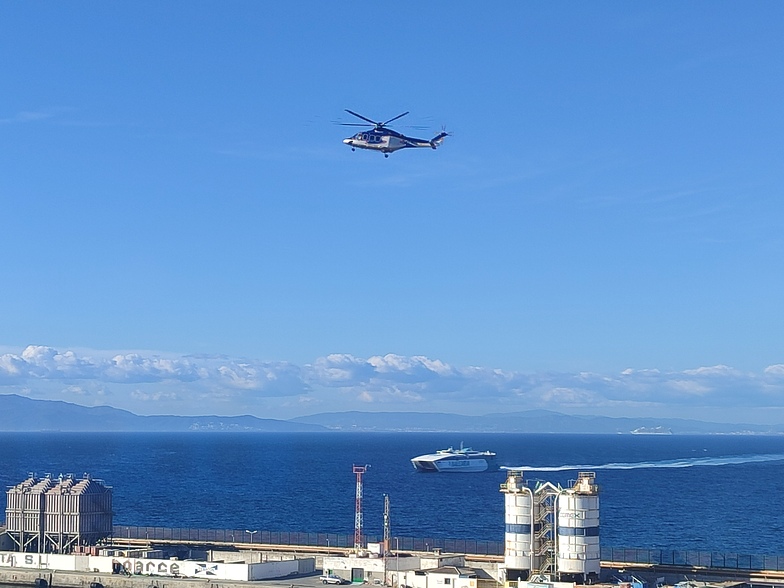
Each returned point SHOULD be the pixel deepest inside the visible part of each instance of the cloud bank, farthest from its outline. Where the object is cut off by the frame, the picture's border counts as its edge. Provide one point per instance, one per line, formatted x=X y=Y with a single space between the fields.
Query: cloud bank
x=151 y=383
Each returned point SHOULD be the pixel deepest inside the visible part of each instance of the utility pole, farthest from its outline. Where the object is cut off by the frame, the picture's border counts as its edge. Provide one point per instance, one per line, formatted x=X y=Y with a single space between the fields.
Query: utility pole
x=386 y=535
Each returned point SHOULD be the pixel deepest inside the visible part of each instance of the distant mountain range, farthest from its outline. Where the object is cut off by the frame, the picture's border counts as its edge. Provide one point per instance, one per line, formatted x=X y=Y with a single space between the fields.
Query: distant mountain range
x=18 y=413
x=529 y=421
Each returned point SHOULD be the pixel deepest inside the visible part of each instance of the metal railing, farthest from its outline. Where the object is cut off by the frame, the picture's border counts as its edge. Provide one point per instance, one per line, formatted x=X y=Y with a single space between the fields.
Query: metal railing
x=704 y=559
x=712 y=560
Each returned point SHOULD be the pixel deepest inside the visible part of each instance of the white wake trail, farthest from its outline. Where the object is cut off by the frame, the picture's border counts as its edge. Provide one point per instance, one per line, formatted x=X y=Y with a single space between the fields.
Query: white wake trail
x=667 y=463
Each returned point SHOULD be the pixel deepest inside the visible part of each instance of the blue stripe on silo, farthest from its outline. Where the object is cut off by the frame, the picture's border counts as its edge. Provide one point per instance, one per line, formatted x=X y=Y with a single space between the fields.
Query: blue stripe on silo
x=579 y=531
x=518 y=529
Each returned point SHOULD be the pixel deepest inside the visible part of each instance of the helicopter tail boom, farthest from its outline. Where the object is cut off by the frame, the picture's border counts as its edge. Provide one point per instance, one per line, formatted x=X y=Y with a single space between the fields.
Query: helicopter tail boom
x=438 y=139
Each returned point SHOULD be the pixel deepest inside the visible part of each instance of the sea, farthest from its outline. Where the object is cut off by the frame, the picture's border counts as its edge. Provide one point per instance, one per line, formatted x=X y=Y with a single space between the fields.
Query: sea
x=711 y=493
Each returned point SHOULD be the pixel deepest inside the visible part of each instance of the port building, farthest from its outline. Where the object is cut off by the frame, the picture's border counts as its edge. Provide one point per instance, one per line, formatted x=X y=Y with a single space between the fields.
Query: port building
x=55 y=515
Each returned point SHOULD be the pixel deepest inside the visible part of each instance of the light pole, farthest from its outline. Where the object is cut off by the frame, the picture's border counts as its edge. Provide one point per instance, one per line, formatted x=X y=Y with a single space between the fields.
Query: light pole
x=251 y=533
x=397 y=561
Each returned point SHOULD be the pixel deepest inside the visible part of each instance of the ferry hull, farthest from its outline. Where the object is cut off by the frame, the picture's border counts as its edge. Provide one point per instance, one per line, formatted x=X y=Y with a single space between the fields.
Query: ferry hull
x=450 y=461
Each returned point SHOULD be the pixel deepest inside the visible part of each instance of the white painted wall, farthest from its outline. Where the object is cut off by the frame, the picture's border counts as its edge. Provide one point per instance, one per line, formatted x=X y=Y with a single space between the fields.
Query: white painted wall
x=273 y=569
x=431 y=580
x=156 y=567
x=171 y=567
x=49 y=561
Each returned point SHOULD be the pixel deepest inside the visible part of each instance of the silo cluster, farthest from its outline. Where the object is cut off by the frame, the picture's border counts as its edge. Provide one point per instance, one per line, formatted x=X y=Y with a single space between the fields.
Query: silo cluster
x=550 y=530
x=55 y=514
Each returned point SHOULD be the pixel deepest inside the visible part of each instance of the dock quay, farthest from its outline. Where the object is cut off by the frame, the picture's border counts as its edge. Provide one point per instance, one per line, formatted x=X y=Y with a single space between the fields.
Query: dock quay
x=613 y=572
x=60 y=533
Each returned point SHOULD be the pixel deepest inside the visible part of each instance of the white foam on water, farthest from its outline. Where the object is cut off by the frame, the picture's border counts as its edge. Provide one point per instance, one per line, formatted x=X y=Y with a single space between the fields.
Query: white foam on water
x=667 y=463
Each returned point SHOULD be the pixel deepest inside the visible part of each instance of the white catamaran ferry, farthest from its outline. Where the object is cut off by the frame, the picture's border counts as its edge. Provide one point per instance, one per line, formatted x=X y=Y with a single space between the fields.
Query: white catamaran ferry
x=464 y=459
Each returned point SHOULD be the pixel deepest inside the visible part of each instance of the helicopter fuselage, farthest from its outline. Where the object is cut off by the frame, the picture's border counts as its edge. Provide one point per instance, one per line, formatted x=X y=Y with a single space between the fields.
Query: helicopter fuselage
x=382 y=138
x=384 y=141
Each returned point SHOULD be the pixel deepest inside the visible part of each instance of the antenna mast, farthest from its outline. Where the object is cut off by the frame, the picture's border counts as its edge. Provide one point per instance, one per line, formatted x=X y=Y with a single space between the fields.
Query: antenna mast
x=358 y=470
x=386 y=535
x=386 y=523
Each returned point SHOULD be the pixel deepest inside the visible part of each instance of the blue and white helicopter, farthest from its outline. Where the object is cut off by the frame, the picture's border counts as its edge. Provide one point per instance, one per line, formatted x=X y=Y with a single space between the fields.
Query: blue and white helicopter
x=381 y=138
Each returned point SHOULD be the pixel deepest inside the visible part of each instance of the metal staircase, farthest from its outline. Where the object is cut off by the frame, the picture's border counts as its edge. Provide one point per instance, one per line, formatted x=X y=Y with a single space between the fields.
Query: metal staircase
x=546 y=496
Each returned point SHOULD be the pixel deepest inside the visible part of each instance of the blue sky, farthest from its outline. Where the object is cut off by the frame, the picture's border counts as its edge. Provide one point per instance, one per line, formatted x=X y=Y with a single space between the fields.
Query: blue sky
x=603 y=233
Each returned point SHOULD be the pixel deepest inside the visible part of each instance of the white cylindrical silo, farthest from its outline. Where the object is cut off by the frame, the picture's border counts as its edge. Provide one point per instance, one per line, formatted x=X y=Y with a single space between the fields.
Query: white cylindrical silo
x=518 y=518
x=578 y=530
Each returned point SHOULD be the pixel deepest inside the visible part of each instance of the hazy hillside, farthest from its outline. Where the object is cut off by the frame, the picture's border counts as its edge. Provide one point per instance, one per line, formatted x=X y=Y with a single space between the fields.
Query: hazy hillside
x=18 y=413
x=533 y=421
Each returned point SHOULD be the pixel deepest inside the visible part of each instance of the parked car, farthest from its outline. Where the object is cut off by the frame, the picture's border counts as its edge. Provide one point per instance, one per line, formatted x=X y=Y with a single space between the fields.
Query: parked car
x=332 y=579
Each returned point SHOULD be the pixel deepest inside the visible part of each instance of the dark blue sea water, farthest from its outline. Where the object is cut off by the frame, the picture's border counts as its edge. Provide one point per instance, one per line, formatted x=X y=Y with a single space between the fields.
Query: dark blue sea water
x=725 y=495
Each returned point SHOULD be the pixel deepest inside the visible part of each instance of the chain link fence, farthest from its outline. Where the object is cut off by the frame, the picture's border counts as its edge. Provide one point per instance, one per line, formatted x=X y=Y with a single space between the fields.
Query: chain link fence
x=294 y=539
x=714 y=560
x=705 y=559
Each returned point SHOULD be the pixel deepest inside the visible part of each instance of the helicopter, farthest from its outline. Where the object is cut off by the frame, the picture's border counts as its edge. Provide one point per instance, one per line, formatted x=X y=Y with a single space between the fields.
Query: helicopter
x=382 y=138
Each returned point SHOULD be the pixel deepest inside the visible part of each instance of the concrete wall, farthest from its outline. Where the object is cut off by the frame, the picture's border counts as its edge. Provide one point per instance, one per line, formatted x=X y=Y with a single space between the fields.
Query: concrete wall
x=212 y=571
x=20 y=576
x=283 y=568
x=430 y=562
x=236 y=556
x=47 y=561
x=431 y=580
x=490 y=567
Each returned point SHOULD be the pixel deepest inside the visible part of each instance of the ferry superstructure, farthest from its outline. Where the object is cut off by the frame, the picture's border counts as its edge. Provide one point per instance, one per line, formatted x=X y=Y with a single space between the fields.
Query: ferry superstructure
x=465 y=460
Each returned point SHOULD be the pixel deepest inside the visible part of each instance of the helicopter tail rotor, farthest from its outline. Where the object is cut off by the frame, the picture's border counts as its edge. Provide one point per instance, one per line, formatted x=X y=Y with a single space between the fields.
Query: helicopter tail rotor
x=436 y=141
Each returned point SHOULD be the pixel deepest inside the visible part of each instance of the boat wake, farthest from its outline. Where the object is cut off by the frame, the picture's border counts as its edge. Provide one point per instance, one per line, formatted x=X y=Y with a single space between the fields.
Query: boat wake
x=667 y=463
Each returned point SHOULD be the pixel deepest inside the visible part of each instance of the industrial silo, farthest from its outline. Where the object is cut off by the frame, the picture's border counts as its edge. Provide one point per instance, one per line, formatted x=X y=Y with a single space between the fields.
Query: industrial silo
x=24 y=512
x=78 y=512
x=578 y=551
x=518 y=536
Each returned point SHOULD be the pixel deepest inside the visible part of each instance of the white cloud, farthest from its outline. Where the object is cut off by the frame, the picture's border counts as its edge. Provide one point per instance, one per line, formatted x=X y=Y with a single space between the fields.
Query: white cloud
x=341 y=369
x=220 y=374
x=46 y=362
x=776 y=371
x=419 y=382
x=25 y=116
x=74 y=390
x=569 y=397
x=716 y=370
x=155 y=396
x=190 y=384
x=417 y=367
x=688 y=387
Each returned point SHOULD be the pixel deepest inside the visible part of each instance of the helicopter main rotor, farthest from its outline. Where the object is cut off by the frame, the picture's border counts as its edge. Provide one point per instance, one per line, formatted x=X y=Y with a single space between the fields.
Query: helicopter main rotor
x=378 y=125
